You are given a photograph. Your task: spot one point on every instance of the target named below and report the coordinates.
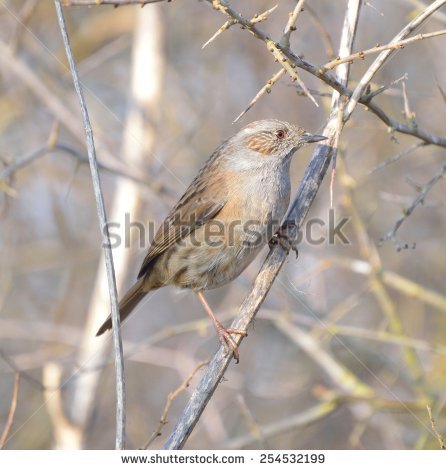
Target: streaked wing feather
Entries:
(192, 210)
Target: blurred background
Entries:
(348, 348)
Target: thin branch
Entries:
(12, 410)
(116, 3)
(291, 25)
(170, 398)
(119, 361)
(299, 420)
(66, 434)
(25, 160)
(397, 157)
(391, 234)
(374, 50)
(345, 47)
(325, 35)
(265, 89)
(434, 429)
(385, 55)
(256, 19)
(294, 60)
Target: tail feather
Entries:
(130, 300)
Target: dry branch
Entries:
(391, 234)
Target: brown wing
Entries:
(198, 205)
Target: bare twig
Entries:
(66, 434)
(293, 60)
(12, 410)
(291, 25)
(170, 397)
(116, 3)
(345, 47)
(309, 416)
(385, 55)
(265, 89)
(391, 234)
(434, 429)
(25, 160)
(374, 50)
(396, 157)
(256, 19)
(119, 361)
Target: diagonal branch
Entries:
(294, 219)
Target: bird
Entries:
(230, 211)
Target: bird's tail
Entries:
(130, 300)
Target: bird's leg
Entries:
(223, 334)
(286, 237)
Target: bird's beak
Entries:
(308, 138)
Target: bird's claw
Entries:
(228, 341)
(286, 238)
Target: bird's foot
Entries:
(227, 340)
(286, 237)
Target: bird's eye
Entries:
(280, 134)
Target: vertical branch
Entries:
(138, 142)
(342, 73)
(119, 361)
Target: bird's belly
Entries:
(207, 262)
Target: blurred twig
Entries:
(12, 410)
(116, 3)
(66, 434)
(391, 234)
(27, 159)
(305, 418)
(119, 361)
(396, 157)
(170, 397)
(265, 89)
(434, 429)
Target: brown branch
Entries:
(434, 429)
(385, 55)
(256, 19)
(170, 397)
(391, 234)
(365, 98)
(116, 3)
(395, 45)
(12, 410)
(290, 26)
(265, 89)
